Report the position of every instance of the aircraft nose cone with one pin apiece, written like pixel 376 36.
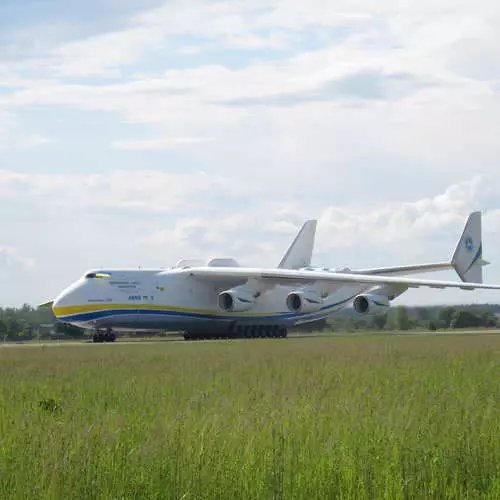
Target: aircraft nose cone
pixel 61 300
pixel 65 299
pixel 58 304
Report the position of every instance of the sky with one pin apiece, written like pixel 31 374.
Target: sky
pixel 138 133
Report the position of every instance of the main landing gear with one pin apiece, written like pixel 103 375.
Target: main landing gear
pixel 106 336
pixel 241 332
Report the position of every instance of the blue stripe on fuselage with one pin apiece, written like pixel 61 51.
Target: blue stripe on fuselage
pixel 286 316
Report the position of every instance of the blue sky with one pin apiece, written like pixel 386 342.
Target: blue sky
pixel 136 133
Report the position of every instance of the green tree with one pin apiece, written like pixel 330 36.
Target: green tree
pixel 3 329
pixel 431 325
pixel 12 326
pixel 489 319
pixel 466 319
pixel 401 318
pixel 423 314
pixel 379 321
pixel 445 316
pixel 25 330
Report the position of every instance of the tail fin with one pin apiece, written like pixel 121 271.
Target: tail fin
pixel 300 252
pixel 468 257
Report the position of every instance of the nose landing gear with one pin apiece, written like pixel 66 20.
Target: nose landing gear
pixel 107 336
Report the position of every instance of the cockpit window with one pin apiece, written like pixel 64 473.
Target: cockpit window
pixel 96 275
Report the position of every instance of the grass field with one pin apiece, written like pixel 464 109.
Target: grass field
pixel 384 417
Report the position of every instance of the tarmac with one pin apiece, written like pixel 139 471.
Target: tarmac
pixel 69 343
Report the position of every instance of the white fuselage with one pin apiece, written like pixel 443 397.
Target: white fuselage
pixel 171 300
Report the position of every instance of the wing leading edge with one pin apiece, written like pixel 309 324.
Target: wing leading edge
pixel 405 270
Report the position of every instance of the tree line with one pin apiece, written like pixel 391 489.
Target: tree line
pixel 403 318
pixel 29 323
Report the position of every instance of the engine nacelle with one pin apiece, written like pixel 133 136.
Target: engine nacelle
pixel 369 304
pixel 236 300
pixel 304 301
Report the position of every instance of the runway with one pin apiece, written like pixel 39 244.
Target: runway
pixel 69 343
pixel 82 344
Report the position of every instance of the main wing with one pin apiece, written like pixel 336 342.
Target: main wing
pixel 239 276
pixel 406 270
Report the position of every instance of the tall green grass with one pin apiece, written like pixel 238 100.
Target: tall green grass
pixel 385 417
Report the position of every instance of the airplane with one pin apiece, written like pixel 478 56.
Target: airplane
pixel 221 299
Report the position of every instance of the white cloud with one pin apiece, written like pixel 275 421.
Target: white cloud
pixel 435 110
pixel 166 143
pixel 12 135
pixel 10 257
pixel 104 54
pixel 101 55
pixel 152 191
pixel 393 230
pixel 403 223
pixel 406 31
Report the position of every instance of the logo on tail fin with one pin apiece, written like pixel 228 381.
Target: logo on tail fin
pixel 469 244
pixel 467 259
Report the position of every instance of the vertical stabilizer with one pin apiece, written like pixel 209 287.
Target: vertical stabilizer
pixel 300 252
pixel 468 257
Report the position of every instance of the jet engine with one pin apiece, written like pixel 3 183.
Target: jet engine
pixel 304 301
pixel 369 303
pixel 236 300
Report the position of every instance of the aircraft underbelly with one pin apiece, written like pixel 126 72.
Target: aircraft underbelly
pixel 143 322
pixel 138 322
pixel 157 323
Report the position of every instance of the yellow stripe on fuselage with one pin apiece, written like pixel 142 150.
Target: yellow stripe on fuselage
pixel 90 308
